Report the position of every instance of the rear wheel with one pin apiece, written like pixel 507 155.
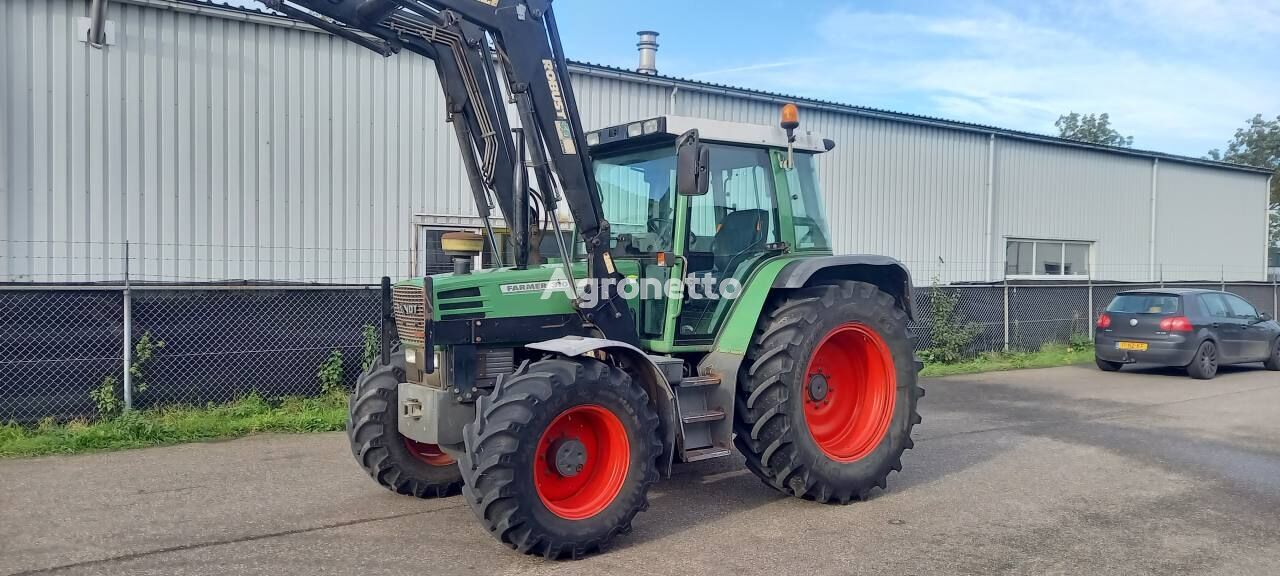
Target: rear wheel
pixel 1273 363
pixel 391 459
pixel 1107 365
pixel 561 456
pixel 1205 364
pixel 828 393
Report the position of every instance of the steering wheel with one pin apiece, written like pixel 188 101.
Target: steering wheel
pixel 659 226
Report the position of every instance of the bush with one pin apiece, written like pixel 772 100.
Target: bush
pixel 332 374
pixel 950 339
pixel 372 347
pixel 106 399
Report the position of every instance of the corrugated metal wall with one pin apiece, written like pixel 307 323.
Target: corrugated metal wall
pixel 1056 193
pixel 216 148
pixel 1210 224
pixel 223 148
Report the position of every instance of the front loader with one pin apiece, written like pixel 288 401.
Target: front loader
pixel 554 395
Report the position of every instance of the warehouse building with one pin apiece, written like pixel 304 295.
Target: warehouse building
pixel 204 142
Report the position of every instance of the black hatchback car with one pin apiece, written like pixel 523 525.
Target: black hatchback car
pixel 1198 329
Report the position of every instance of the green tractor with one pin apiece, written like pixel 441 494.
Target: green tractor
pixel 695 307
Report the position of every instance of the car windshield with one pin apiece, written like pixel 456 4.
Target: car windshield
pixel 1144 304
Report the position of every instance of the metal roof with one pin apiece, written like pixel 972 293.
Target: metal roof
pixel 606 71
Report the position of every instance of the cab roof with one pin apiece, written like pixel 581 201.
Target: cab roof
pixel 709 131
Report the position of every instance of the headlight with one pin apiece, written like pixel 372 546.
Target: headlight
pixel 411 356
pixel 634 130
pixel 651 126
pixel 593 139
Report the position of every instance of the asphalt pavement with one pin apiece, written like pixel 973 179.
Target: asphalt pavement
pixel 1056 471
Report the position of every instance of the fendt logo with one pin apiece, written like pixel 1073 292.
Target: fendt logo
pixel 553 84
pixel 409 309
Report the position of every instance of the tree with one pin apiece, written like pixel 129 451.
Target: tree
pixel 1258 144
pixel 1095 128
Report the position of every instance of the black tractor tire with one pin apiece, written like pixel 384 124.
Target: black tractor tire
pixel 1273 362
pixel 1205 364
pixel 505 444
pixel 387 456
pixel 1107 365
pixel 770 420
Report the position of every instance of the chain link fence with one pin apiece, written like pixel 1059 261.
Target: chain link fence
pixel 1025 317
pixel 57 343
pixel 219 344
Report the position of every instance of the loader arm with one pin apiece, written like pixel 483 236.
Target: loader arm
pixel 473 43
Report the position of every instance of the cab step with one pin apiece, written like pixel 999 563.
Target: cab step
pixel 696 381
pixel 702 416
pixel 705 454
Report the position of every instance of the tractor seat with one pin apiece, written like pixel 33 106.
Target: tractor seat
pixel 741 232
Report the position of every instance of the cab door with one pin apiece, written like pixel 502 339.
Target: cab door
pixel 728 232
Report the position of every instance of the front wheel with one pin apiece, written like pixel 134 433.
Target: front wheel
pixel 561 456
pixel 827 398
pixel 1273 363
pixel 390 458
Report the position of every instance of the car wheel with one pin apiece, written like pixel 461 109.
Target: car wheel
pixel 1205 364
pixel 1273 363
pixel 1107 365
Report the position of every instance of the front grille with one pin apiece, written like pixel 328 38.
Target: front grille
pixel 411 309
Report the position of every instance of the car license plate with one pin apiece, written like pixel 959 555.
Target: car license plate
pixel 1135 346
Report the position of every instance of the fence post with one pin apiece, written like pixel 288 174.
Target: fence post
pixel 1222 277
pixel 1089 328
pixel 127 344
pixel 1006 314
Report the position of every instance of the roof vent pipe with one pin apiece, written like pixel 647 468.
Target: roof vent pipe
pixel 648 46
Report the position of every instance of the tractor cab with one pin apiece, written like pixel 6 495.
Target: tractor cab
pixel 762 199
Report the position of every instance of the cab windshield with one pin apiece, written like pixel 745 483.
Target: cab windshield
pixel 637 190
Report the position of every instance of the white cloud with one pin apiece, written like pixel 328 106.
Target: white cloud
pixel 1021 70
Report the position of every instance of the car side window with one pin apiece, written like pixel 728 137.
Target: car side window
pixel 1215 305
pixel 1240 308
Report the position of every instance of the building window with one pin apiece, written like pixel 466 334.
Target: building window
pixel 431 257
pixel 1047 259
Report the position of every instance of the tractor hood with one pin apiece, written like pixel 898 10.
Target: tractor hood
pixel 505 292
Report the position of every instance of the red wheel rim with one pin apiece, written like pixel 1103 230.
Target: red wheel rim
pixel 429 453
pixel 589 490
pixel 849 390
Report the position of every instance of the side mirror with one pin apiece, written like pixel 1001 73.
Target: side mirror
pixel 692 161
pixel 1264 316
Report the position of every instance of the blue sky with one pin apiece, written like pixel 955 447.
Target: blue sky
pixel 1178 75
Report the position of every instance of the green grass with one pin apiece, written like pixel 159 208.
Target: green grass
pixel 1049 356
pixel 176 425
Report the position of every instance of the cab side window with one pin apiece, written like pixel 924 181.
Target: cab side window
pixel 1215 305
pixel 1239 308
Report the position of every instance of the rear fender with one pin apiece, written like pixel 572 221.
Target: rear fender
pixel 641 368
pixel 888 274
pixel 790 273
